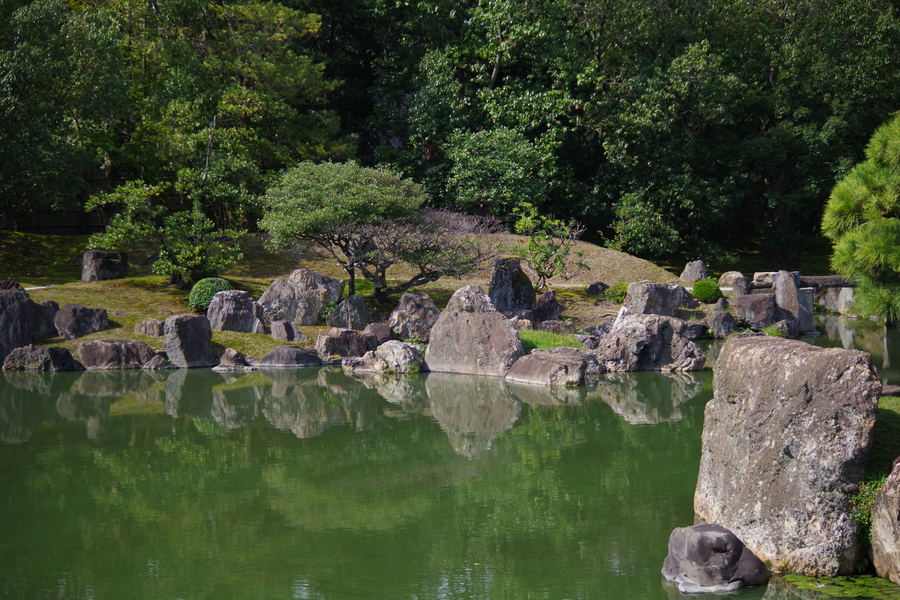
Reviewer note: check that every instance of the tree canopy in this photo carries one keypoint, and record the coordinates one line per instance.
(662, 126)
(862, 218)
(369, 220)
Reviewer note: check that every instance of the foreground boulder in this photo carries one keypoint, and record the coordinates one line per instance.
(32, 358)
(188, 341)
(886, 528)
(16, 320)
(392, 356)
(472, 337)
(300, 298)
(510, 287)
(235, 310)
(113, 353)
(785, 439)
(100, 265)
(711, 559)
(75, 321)
(648, 343)
(651, 298)
(414, 316)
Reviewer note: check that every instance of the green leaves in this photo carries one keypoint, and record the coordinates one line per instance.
(862, 218)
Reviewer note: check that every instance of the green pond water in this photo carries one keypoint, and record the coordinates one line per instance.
(312, 484)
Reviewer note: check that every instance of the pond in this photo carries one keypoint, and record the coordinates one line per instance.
(312, 484)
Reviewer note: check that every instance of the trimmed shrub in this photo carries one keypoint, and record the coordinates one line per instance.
(617, 292)
(203, 291)
(707, 291)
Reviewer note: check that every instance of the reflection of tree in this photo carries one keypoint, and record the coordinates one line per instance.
(471, 410)
(646, 400)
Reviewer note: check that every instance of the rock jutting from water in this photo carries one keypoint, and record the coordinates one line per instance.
(472, 337)
(710, 559)
(785, 440)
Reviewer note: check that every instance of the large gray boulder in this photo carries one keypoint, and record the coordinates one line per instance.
(289, 357)
(472, 337)
(150, 328)
(75, 321)
(16, 320)
(708, 559)
(343, 342)
(547, 307)
(113, 353)
(721, 324)
(510, 287)
(648, 343)
(693, 272)
(755, 311)
(785, 439)
(188, 341)
(300, 298)
(550, 368)
(235, 310)
(651, 298)
(351, 313)
(838, 299)
(392, 356)
(99, 265)
(414, 316)
(886, 528)
(32, 358)
(43, 326)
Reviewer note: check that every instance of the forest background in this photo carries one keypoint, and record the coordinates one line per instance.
(688, 126)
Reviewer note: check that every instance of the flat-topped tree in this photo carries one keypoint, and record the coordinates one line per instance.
(369, 220)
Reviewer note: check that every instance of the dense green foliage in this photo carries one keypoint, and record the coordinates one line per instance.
(862, 218)
(661, 126)
(707, 291)
(203, 291)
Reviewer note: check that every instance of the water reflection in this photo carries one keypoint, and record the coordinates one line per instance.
(472, 411)
(649, 399)
(881, 342)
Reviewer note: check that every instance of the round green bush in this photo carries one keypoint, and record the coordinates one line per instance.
(707, 291)
(203, 291)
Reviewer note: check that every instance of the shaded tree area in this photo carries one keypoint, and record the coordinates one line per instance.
(662, 126)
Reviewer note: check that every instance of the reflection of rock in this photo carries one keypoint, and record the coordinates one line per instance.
(52, 384)
(647, 399)
(546, 395)
(472, 411)
(284, 379)
(79, 407)
(840, 328)
(234, 407)
(408, 392)
(112, 384)
(189, 392)
(306, 412)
